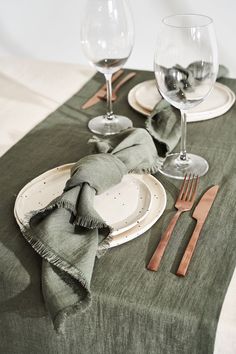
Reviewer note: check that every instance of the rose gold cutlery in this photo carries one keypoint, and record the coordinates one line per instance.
(128, 77)
(95, 99)
(183, 203)
(200, 214)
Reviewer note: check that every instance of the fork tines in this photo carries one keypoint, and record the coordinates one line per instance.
(189, 187)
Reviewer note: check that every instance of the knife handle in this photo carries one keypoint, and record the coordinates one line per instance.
(185, 261)
(155, 261)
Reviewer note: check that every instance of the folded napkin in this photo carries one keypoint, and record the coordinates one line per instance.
(69, 233)
(164, 123)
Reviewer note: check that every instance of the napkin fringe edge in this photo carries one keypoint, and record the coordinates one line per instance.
(51, 257)
(104, 245)
(60, 318)
(148, 170)
(89, 222)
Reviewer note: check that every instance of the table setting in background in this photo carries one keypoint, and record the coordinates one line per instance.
(106, 246)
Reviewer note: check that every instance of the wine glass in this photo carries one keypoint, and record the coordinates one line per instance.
(185, 66)
(107, 37)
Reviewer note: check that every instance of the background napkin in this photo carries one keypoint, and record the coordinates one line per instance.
(66, 232)
(164, 123)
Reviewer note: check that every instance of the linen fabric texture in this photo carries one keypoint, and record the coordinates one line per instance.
(133, 310)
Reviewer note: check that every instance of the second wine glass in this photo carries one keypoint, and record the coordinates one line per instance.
(186, 66)
(107, 37)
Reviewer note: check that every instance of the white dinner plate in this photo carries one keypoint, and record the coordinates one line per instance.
(219, 101)
(132, 201)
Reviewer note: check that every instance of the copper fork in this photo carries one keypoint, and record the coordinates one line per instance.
(184, 202)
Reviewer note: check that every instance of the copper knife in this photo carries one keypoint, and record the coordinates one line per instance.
(200, 214)
(95, 99)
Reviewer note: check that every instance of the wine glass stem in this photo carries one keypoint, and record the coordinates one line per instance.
(183, 153)
(110, 114)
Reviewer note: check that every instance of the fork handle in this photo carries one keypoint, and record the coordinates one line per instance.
(183, 267)
(158, 254)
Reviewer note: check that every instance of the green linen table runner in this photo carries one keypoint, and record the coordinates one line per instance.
(133, 310)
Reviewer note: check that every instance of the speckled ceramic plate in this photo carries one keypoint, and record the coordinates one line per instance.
(124, 206)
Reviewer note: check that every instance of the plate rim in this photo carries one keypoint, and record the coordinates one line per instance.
(131, 97)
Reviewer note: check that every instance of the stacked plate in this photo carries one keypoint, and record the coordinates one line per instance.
(144, 96)
(130, 208)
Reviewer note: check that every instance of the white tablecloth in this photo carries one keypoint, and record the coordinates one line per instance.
(29, 91)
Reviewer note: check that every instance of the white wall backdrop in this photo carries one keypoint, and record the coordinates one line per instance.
(49, 29)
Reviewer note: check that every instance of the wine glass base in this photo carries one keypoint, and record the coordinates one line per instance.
(176, 168)
(102, 125)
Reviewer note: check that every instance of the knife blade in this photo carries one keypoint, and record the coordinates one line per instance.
(95, 99)
(200, 214)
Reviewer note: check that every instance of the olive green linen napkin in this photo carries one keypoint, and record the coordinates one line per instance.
(164, 122)
(65, 233)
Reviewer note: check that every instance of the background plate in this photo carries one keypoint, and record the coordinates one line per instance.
(147, 94)
(219, 101)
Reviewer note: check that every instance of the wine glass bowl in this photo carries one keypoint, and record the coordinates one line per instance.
(185, 66)
(107, 38)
